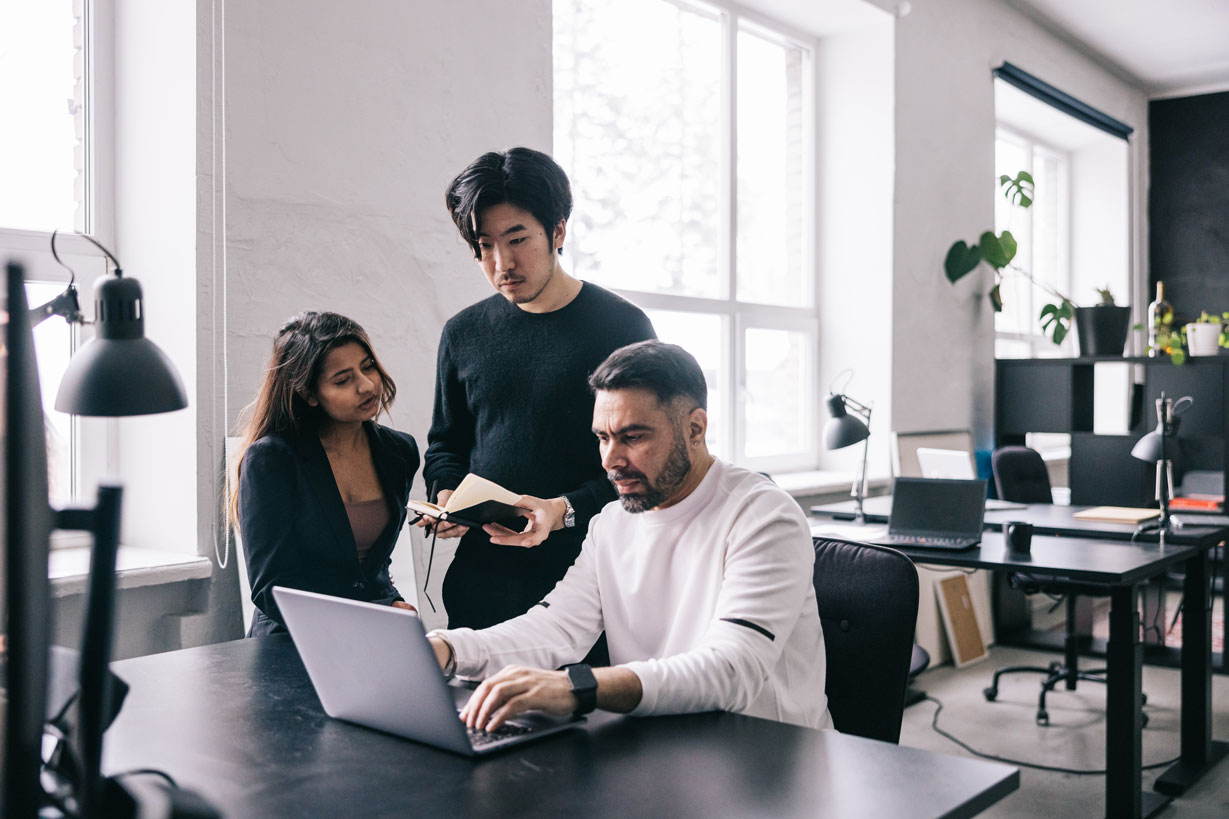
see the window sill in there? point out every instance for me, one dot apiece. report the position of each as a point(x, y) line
point(822, 482)
point(69, 569)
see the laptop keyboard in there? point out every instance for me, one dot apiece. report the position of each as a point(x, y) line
point(929, 540)
point(479, 738)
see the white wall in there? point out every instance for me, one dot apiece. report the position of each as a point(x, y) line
point(945, 51)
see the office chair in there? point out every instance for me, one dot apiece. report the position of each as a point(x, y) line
point(868, 599)
point(1020, 476)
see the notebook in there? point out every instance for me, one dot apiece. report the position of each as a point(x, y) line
point(956, 463)
point(936, 513)
point(1116, 514)
point(372, 665)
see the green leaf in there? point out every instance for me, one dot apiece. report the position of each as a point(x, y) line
point(961, 259)
point(993, 250)
point(1060, 332)
point(1008, 243)
point(996, 299)
point(1178, 356)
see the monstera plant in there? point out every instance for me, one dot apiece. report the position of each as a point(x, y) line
point(998, 251)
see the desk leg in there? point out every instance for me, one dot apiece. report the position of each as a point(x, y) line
point(1124, 796)
point(1199, 752)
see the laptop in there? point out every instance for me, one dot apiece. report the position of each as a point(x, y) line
point(956, 463)
point(936, 513)
point(372, 665)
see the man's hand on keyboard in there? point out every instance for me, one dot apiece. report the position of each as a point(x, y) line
point(516, 689)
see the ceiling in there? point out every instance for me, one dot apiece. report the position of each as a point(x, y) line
point(1167, 47)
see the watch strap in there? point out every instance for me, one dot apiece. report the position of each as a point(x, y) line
point(584, 686)
point(569, 514)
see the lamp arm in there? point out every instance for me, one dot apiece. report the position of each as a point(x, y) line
point(65, 304)
point(858, 407)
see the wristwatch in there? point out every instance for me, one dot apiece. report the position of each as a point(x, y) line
point(569, 514)
point(584, 686)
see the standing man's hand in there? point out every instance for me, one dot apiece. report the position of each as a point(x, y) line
point(543, 516)
point(443, 528)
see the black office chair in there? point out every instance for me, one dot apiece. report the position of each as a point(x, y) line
point(868, 598)
point(1020, 476)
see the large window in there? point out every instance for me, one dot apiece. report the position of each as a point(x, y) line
point(686, 131)
point(45, 185)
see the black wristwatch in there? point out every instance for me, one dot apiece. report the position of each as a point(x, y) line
point(584, 686)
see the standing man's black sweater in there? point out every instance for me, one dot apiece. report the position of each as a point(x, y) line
point(512, 404)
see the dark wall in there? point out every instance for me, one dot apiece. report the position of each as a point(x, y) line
point(1188, 202)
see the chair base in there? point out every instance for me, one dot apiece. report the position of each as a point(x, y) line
point(1055, 673)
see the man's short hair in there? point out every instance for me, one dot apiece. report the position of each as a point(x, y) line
point(522, 177)
point(666, 370)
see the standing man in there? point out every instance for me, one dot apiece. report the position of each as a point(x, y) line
point(512, 403)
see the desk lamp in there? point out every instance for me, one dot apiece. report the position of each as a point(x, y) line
point(842, 430)
point(117, 373)
point(1154, 448)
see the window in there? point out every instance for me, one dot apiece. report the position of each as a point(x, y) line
point(45, 185)
point(686, 131)
point(1044, 248)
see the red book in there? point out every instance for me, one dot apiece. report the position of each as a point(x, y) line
point(1198, 503)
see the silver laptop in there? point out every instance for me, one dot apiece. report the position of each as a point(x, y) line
point(933, 513)
point(372, 665)
point(956, 464)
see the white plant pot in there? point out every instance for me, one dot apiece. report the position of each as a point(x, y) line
point(1203, 338)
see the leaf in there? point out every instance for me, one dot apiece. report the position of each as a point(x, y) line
point(1178, 356)
point(998, 251)
point(996, 299)
point(961, 259)
point(1060, 332)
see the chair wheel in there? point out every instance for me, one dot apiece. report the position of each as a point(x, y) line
point(990, 693)
point(1043, 718)
point(1055, 667)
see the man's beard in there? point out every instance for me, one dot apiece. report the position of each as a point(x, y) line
point(657, 492)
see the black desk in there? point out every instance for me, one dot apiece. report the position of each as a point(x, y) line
point(240, 723)
point(1124, 566)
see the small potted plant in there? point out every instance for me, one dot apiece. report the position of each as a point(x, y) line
point(1206, 335)
point(1102, 328)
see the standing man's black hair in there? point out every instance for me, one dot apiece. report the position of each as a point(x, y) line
point(522, 177)
point(666, 370)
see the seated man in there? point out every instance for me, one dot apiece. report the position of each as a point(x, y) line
point(700, 575)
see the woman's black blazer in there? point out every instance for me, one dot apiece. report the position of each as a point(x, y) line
point(294, 527)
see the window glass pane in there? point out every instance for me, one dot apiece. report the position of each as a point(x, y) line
point(1047, 250)
point(637, 110)
point(770, 172)
point(1011, 157)
point(779, 402)
point(39, 143)
point(701, 335)
point(53, 347)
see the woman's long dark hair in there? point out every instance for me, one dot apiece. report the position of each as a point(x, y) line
point(299, 351)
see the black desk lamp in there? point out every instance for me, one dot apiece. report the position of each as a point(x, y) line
point(117, 373)
point(1155, 448)
point(842, 430)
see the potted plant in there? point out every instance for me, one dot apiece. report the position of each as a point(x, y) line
point(1206, 335)
point(1103, 328)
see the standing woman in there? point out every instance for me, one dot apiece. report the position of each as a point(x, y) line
point(322, 487)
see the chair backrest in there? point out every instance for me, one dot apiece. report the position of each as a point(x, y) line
point(868, 599)
point(1020, 475)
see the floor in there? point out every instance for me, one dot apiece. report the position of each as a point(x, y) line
point(1075, 738)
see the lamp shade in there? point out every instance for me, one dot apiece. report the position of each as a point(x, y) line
point(120, 372)
point(1148, 448)
point(843, 429)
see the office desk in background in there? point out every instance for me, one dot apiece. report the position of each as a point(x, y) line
point(1051, 519)
point(1124, 566)
point(240, 723)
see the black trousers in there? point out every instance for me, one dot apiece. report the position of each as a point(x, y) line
point(477, 595)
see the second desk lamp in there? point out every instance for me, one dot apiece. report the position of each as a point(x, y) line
point(843, 429)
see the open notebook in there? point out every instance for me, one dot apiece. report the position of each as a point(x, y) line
point(474, 502)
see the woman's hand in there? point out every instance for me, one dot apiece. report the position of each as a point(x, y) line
point(401, 604)
point(443, 528)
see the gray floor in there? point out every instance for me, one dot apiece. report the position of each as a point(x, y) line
point(1075, 738)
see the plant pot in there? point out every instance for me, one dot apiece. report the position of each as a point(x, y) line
point(1102, 330)
point(1203, 338)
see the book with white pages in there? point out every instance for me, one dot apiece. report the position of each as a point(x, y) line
point(474, 502)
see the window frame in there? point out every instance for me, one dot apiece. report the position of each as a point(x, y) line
point(1040, 345)
point(738, 316)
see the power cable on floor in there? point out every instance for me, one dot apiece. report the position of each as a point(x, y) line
point(934, 723)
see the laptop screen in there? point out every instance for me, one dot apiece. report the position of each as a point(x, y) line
point(939, 507)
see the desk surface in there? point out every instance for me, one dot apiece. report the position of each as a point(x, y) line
point(1114, 562)
point(240, 723)
point(1047, 518)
